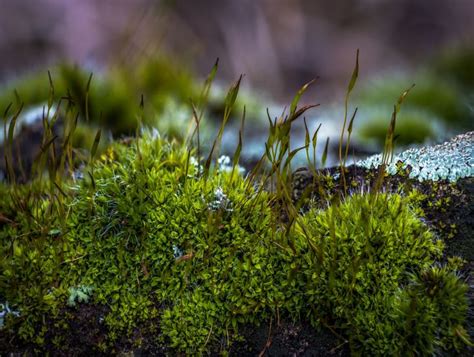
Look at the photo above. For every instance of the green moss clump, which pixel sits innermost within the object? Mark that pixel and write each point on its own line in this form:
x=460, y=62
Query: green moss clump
x=153, y=232
x=30, y=247
x=431, y=312
x=151, y=240
x=356, y=263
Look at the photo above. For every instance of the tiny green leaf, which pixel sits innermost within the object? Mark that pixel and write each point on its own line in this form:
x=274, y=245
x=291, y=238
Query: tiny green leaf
x=95, y=145
x=325, y=152
x=296, y=99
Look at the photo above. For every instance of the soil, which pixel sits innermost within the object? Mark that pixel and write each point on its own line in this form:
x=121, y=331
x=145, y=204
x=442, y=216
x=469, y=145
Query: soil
x=289, y=339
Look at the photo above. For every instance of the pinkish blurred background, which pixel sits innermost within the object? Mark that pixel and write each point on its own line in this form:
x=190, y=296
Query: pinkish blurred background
x=278, y=44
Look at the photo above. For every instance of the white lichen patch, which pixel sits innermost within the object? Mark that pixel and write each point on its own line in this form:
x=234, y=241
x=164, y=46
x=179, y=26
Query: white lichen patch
x=197, y=166
x=5, y=310
x=451, y=160
x=177, y=252
x=80, y=294
x=224, y=164
x=220, y=201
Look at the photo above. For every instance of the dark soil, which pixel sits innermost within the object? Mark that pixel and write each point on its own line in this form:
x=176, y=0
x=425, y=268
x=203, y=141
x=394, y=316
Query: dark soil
x=289, y=339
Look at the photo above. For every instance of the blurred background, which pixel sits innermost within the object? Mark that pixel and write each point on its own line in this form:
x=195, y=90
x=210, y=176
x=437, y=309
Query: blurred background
x=278, y=44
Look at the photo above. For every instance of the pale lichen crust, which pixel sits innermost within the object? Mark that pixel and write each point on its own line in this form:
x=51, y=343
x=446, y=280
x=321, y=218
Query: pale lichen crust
x=451, y=160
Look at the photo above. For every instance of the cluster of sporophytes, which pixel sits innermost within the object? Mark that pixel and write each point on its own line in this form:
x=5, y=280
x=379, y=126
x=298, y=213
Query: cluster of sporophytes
x=156, y=231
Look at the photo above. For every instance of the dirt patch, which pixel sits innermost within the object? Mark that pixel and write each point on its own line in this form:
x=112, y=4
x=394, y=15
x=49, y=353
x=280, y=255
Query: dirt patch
x=289, y=339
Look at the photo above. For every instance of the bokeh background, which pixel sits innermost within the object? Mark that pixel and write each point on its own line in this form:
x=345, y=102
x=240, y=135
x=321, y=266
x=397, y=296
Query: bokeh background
x=277, y=44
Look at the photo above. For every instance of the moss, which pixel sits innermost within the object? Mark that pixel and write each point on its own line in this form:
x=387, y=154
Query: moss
x=148, y=231
x=149, y=237
x=457, y=65
x=356, y=260
x=32, y=257
x=169, y=236
x=31, y=89
x=162, y=78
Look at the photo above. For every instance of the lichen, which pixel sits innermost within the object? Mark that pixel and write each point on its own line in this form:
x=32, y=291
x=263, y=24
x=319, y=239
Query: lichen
x=6, y=310
x=79, y=294
x=451, y=160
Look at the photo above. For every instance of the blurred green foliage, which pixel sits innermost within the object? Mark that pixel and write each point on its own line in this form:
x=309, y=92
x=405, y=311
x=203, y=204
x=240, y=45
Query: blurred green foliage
x=113, y=98
x=441, y=102
x=414, y=126
x=457, y=65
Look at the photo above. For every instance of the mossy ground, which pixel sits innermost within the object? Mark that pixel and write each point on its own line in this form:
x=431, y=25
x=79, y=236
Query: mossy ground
x=149, y=246
x=183, y=263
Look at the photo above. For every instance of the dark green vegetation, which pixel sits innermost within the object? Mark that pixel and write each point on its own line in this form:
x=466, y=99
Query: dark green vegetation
x=356, y=271
x=112, y=100
x=172, y=247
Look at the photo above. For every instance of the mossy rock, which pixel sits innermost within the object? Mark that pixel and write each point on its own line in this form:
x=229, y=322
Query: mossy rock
x=149, y=238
